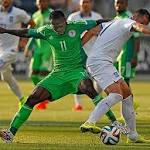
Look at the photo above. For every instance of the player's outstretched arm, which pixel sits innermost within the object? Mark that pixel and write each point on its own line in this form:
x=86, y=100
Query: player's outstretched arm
x=20, y=33
x=90, y=33
x=137, y=27
x=94, y=31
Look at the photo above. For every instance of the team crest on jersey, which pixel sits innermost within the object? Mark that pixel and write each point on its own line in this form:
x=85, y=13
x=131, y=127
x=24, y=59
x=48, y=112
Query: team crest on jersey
x=116, y=74
x=72, y=33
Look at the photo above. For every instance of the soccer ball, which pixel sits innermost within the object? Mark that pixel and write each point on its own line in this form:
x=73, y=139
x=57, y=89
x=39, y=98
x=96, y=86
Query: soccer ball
x=110, y=135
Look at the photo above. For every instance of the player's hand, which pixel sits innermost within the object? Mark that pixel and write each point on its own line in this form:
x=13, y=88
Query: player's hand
x=2, y=30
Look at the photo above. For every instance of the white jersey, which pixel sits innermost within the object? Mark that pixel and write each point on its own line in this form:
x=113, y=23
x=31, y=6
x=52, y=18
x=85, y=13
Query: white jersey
x=94, y=16
x=11, y=20
x=111, y=39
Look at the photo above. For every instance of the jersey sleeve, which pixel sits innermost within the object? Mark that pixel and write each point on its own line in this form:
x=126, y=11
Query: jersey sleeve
x=24, y=17
x=86, y=25
x=128, y=24
x=37, y=33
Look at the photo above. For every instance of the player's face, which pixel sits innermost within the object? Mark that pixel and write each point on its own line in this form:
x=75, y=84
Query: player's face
x=6, y=3
x=59, y=25
x=120, y=5
x=141, y=19
x=86, y=5
x=42, y=4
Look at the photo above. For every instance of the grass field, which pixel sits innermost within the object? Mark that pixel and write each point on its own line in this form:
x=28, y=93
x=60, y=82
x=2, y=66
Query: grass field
x=57, y=128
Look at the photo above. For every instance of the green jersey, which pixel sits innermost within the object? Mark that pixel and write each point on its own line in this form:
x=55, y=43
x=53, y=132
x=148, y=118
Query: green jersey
x=41, y=19
x=128, y=52
x=67, y=48
x=128, y=48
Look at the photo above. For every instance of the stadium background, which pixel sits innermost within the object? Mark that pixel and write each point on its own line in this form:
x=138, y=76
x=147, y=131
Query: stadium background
x=101, y=6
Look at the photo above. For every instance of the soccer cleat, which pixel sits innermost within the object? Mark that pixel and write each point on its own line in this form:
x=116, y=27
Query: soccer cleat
x=140, y=139
x=90, y=127
x=22, y=101
x=42, y=105
x=6, y=136
x=78, y=107
x=123, y=129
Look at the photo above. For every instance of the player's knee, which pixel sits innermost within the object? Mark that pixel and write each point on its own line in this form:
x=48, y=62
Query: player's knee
x=32, y=101
x=127, y=92
x=38, y=95
x=114, y=88
x=87, y=88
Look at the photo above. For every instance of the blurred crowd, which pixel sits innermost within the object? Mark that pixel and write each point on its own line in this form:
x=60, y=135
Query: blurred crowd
x=100, y=6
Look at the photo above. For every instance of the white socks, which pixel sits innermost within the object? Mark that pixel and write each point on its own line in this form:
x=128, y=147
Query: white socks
x=129, y=116
x=77, y=99
x=13, y=85
x=104, y=106
x=127, y=111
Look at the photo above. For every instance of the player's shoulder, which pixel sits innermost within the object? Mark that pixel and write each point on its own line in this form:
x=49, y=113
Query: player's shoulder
x=123, y=20
x=127, y=20
x=96, y=15
x=17, y=10
x=125, y=23
x=74, y=16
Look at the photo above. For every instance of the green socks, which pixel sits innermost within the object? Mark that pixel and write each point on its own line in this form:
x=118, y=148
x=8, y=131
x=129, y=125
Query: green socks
x=20, y=118
x=109, y=114
x=97, y=99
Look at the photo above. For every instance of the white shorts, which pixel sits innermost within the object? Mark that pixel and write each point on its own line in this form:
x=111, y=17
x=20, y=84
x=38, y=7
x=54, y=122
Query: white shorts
x=103, y=72
x=6, y=58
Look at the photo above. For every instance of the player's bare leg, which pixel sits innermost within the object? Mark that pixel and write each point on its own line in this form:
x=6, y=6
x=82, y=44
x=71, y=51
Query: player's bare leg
x=38, y=95
x=41, y=75
x=77, y=98
x=8, y=77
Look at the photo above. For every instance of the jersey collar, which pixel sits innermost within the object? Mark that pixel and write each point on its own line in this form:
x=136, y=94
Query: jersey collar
x=8, y=11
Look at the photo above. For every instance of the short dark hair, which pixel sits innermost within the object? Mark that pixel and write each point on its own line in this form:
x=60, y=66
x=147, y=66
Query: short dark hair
x=143, y=12
x=56, y=14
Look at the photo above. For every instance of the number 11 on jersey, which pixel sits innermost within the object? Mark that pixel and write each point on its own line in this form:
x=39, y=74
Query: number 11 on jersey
x=63, y=46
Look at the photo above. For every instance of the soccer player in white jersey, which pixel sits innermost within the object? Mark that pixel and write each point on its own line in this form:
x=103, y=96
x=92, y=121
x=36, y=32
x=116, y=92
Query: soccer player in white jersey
x=107, y=47
x=11, y=17
x=85, y=13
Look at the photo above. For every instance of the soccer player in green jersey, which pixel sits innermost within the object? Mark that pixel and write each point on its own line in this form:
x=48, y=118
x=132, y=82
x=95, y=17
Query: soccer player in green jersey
x=129, y=51
x=41, y=62
x=127, y=59
x=68, y=75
